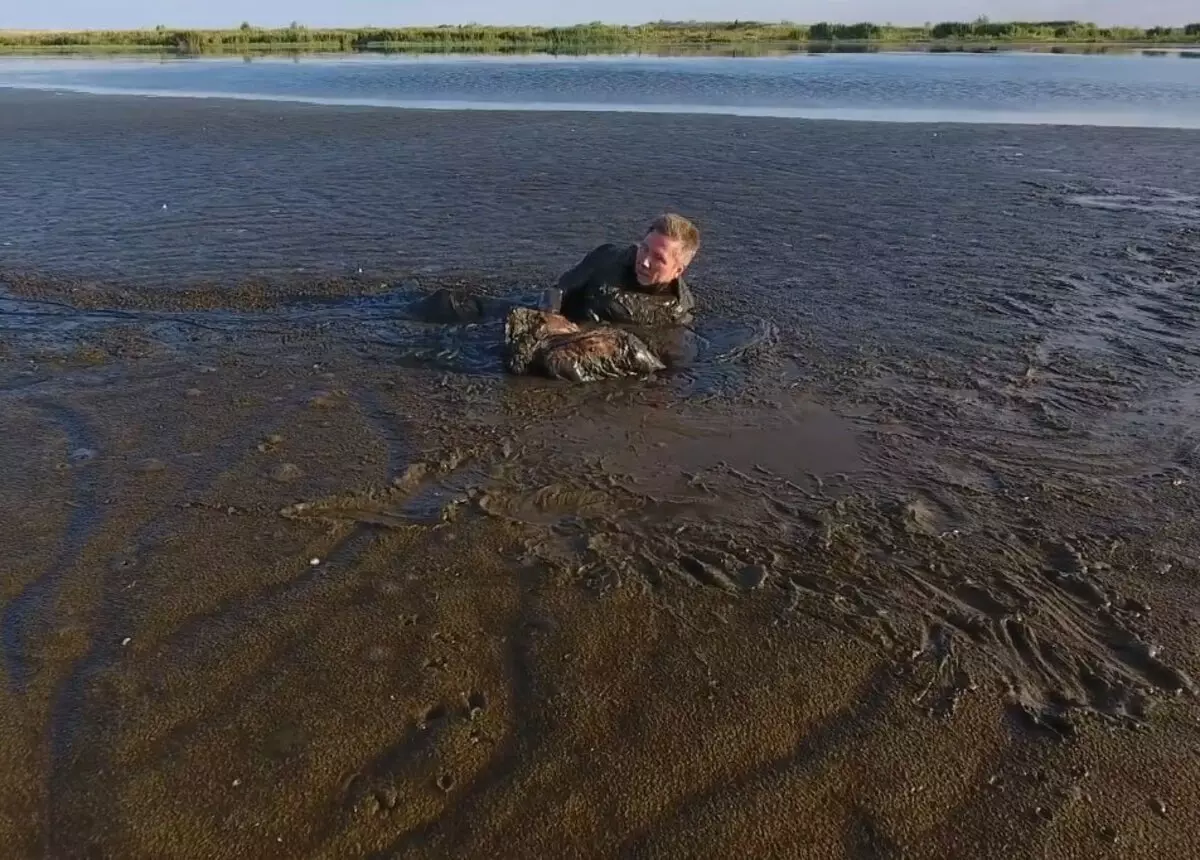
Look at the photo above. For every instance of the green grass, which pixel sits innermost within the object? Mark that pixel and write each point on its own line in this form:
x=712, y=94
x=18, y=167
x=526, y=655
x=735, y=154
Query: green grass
x=588, y=36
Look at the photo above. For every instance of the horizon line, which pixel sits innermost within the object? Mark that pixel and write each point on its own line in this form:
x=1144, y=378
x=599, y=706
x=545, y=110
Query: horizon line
x=662, y=21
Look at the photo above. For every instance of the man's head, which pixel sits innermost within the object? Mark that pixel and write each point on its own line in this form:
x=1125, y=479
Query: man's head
x=668, y=248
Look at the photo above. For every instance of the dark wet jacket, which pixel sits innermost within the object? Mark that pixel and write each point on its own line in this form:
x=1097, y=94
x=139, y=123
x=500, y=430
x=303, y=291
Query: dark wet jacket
x=603, y=287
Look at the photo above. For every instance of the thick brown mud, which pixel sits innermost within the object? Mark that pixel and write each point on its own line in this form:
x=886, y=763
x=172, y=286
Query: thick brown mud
x=897, y=558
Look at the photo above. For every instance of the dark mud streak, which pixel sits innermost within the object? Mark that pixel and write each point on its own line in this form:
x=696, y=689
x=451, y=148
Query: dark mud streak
x=233, y=700
x=68, y=711
x=23, y=616
x=191, y=632
x=377, y=774
x=838, y=732
x=970, y=825
x=865, y=841
x=529, y=726
x=388, y=426
x=22, y=385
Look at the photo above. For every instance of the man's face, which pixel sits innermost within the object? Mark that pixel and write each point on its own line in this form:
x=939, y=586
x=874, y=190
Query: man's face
x=660, y=260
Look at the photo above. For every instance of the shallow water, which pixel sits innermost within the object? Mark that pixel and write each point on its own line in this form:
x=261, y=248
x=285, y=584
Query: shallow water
x=1011, y=87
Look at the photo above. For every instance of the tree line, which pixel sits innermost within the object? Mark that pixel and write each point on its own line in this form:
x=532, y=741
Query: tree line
x=660, y=33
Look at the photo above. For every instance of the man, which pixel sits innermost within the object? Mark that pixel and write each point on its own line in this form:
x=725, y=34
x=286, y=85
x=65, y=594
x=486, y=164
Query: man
x=638, y=289
x=638, y=284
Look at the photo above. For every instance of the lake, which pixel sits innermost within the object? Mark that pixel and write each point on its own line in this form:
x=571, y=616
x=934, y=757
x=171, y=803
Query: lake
x=1138, y=89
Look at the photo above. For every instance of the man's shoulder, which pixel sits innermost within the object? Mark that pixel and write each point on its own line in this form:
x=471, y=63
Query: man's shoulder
x=683, y=292
x=608, y=263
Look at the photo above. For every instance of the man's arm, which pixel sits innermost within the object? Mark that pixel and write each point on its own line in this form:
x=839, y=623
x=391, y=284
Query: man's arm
x=686, y=307
x=572, y=286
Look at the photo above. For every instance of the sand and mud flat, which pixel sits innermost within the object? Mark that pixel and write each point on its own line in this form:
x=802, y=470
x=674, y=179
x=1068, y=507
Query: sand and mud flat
x=900, y=562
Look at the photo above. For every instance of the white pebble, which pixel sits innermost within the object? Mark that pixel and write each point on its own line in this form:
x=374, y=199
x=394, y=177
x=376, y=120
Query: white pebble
x=314, y=561
x=126, y=641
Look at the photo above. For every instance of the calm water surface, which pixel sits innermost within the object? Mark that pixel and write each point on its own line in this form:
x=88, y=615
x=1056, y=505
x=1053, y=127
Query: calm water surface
x=1125, y=90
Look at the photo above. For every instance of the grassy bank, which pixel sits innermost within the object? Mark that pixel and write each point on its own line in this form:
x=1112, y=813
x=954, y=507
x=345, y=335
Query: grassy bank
x=588, y=36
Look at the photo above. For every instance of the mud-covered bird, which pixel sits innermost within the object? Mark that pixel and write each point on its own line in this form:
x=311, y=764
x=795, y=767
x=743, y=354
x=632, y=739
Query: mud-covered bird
x=549, y=344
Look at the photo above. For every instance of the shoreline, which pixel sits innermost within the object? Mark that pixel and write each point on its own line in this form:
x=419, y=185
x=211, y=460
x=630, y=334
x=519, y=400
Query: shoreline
x=907, y=116
x=759, y=48
x=732, y=34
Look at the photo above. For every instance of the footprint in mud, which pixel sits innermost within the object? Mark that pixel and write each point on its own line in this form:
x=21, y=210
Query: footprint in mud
x=983, y=601
x=428, y=493
x=379, y=801
x=1142, y=657
x=286, y=742
x=435, y=716
x=476, y=703
x=1067, y=569
x=950, y=682
x=706, y=574
x=1064, y=558
x=717, y=570
x=1034, y=608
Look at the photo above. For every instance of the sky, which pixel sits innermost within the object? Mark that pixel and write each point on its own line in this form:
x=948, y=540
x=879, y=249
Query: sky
x=79, y=14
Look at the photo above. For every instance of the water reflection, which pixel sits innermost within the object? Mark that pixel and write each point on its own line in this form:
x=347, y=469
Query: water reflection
x=847, y=48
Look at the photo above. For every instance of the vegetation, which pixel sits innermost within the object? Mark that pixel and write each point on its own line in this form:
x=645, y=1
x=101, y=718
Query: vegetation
x=584, y=36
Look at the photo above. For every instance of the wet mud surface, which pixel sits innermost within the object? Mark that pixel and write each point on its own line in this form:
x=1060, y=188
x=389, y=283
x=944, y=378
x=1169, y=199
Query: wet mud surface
x=898, y=558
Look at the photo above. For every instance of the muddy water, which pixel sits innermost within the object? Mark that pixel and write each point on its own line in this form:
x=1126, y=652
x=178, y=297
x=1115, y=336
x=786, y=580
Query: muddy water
x=907, y=542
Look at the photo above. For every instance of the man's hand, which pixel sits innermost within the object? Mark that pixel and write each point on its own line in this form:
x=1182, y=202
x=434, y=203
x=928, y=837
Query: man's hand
x=551, y=300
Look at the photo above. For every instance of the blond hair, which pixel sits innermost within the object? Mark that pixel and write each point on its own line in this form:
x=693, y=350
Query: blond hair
x=679, y=228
